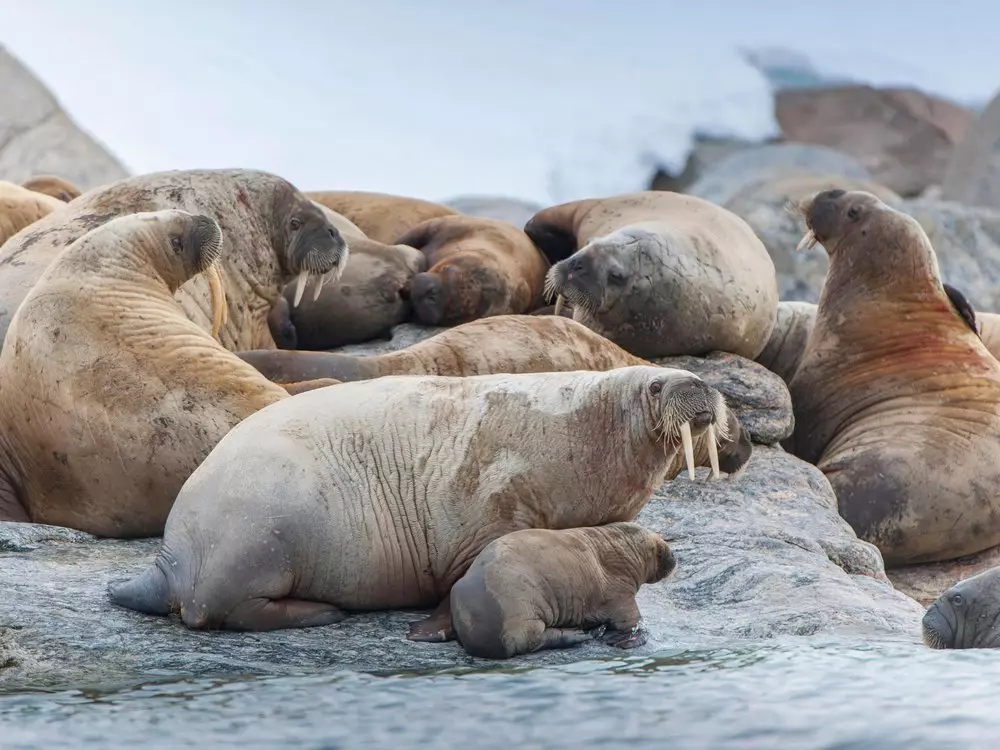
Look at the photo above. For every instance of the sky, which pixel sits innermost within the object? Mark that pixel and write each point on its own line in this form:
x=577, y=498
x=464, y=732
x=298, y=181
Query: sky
x=539, y=100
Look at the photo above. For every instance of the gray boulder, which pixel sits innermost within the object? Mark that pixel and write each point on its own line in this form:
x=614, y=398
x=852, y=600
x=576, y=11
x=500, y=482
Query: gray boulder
x=973, y=174
x=37, y=137
x=511, y=210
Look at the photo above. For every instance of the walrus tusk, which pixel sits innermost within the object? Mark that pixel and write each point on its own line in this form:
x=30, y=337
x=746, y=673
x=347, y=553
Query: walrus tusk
x=217, y=291
x=300, y=287
x=807, y=241
x=713, y=451
x=319, y=286
x=560, y=301
x=688, y=448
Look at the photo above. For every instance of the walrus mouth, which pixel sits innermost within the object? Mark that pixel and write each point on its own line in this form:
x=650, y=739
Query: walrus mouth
x=316, y=261
x=808, y=241
x=937, y=630
x=555, y=286
x=688, y=408
x=217, y=291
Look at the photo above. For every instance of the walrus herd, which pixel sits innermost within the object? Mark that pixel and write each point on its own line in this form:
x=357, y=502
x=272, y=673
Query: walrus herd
x=165, y=372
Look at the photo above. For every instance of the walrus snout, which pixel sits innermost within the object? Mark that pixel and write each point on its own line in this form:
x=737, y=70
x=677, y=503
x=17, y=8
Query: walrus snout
x=577, y=281
x=938, y=632
x=427, y=297
x=666, y=563
x=823, y=217
x=204, y=238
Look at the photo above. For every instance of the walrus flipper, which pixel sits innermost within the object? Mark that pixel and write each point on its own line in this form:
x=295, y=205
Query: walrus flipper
x=436, y=627
x=553, y=638
x=148, y=592
x=962, y=306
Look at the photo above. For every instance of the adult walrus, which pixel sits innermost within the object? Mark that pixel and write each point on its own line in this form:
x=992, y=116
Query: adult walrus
x=380, y=494
x=660, y=273
x=967, y=615
x=538, y=589
x=20, y=208
x=55, y=187
x=381, y=216
x=273, y=235
x=110, y=396
x=477, y=268
x=893, y=385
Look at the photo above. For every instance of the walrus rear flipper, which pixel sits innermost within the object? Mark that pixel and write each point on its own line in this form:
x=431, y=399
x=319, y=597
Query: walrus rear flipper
x=148, y=592
x=962, y=306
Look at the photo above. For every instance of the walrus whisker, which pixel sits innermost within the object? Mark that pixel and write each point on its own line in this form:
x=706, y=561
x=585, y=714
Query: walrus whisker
x=688, y=448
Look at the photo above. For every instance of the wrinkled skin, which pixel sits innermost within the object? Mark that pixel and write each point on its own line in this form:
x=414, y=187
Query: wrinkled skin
x=382, y=217
x=477, y=268
x=382, y=493
x=109, y=395
x=20, y=208
x=659, y=273
x=892, y=385
x=967, y=615
x=539, y=589
x=55, y=187
x=272, y=234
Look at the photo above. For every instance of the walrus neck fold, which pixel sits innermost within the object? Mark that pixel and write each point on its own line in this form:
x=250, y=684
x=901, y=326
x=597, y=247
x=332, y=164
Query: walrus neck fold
x=12, y=507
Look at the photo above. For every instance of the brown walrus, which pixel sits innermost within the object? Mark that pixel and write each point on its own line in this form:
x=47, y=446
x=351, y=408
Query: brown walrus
x=53, y=186
x=895, y=398
x=381, y=216
x=380, y=494
x=273, y=235
x=477, y=268
x=109, y=395
x=538, y=589
x=20, y=208
x=660, y=273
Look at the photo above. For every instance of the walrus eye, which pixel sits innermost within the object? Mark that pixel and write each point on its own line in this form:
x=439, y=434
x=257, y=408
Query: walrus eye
x=853, y=213
x=956, y=600
x=616, y=277
x=655, y=387
x=176, y=244
x=295, y=224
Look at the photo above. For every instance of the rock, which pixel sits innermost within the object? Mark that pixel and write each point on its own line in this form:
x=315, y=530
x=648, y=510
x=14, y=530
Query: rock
x=748, y=166
x=38, y=137
x=928, y=581
x=511, y=210
x=763, y=205
x=973, y=174
x=403, y=335
x=760, y=556
x=905, y=138
x=706, y=152
x=760, y=398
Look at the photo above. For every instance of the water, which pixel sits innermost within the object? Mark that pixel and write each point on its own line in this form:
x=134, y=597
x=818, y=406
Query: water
x=805, y=694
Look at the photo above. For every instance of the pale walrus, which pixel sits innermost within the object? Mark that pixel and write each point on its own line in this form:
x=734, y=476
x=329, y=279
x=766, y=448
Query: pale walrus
x=111, y=395
x=893, y=385
x=538, y=589
x=967, y=615
x=380, y=494
x=660, y=273
x=273, y=235
x=477, y=268
x=381, y=216
x=20, y=208
x=53, y=186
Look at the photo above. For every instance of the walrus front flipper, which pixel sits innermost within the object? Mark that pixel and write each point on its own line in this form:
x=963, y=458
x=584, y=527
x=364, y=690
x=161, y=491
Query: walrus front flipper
x=148, y=592
x=962, y=306
x=562, y=638
x=624, y=629
x=279, y=323
x=277, y=614
x=436, y=627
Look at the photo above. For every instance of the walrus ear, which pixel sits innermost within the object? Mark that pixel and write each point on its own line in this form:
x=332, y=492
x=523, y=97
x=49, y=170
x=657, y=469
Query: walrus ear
x=735, y=453
x=962, y=306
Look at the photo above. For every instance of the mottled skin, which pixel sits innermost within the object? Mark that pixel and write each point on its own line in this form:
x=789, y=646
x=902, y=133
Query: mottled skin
x=660, y=273
x=111, y=396
x=20, y=207
x=272, y=233
x=53, y=186
x=967, y=615
x=380, y=494
x=538, y=589
x=477, y=268
x=381, y=216
x=896, y=399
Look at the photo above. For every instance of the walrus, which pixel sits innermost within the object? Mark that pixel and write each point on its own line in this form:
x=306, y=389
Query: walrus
x=660, y=273
x=477, y=268
x=538, y=589
x=110, y=396
x=273, y=235
x=894, y=383
x=967, y=615
x=381, y=216
x=53, y=186
x=20, y=208
x=380, y=494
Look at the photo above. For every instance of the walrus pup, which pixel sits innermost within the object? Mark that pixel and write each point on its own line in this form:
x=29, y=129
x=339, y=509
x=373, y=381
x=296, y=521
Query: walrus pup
x=53, y=186
x=478, y=268
x=967, y=615
x=894, y=383
x=273, y=234
x=20, y=208
x=380, y=494
x=111, y=396
x=659, y=273
x=381, y=216
x=539, y=589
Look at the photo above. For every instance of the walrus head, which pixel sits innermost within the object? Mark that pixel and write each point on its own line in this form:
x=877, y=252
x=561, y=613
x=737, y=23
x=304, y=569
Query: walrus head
x=308, y=242
x=458, y=290
x=967, y=615
x=652, y=559
x=54, y=186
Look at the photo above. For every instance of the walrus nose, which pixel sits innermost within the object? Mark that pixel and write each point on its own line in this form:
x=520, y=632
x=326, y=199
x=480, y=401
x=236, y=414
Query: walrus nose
x=427, y=298
x=702, y=419
x=575, y=266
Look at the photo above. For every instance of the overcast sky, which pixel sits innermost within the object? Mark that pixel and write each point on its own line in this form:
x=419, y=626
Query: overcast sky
x=436, y=98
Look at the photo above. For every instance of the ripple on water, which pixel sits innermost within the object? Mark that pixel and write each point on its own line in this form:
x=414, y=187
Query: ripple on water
x=791, y=695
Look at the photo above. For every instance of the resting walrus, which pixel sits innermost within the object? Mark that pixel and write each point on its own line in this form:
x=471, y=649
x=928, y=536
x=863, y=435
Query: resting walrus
x=53, y=186
x=20, y=208
x=967, y=615
x=273, y=235
x=538, y=589
x=109, y=395
x=380, y=494
x=660, y=273
x=893, y=385
x=381, y=216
